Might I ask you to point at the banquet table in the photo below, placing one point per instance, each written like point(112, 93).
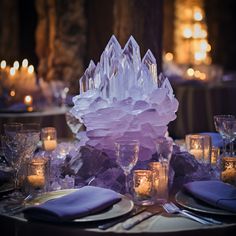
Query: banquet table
point(52, 116)
point(160, 224)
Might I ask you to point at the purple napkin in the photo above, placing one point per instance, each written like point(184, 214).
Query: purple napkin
point(84, 201)
point(215, 193)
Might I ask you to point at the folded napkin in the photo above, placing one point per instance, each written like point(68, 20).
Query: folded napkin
point(84, 201)
point(215, 193)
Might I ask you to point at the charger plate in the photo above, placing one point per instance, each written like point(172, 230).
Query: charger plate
point(124, 206)
point(191, 203)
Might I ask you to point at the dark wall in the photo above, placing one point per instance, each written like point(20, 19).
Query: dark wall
point(221, 18)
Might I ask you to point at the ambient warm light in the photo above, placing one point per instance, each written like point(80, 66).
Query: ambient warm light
point(197, 16)
point(28, 100)
point(190, 71)
point(198, 56)
point(12, 93)
point(31, 69)
point(187, 33)
point(12, 71)
point(25, 63)
point(169, 56)
point(16, 65)
point(3, 64)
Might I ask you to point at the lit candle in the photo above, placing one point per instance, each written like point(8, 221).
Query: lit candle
point(228, 173)
point(31, 69)
point(143, 186)
point(16, 65)
point(28, 100)
point(36, 181)
point(49, 144)
point(49, 138)
point(25, 63)
point(3, 64)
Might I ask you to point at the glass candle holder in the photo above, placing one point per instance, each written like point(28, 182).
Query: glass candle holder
point(199, 145)
point(143, 191)
point(228, 171)
point(37, 175)
point(49, 138)
point(160, 181)
point(215, 153)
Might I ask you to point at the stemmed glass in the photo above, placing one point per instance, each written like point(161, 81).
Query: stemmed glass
point(218, 121)
point(126, 157)
point(229, 131)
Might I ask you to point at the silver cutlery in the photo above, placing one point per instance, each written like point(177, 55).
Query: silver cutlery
point(134, 212)
point(173, 209)
point(130, 223)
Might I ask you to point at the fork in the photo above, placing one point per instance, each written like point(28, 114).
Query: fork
point(173, 209)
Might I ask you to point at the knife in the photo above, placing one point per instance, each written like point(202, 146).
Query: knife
point(136, 210)
point(130, 223)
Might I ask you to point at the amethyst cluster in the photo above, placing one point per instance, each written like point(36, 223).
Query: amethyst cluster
point(122, 97)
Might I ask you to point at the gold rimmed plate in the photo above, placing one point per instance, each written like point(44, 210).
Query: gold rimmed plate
point(191, 203)
point(124, 206)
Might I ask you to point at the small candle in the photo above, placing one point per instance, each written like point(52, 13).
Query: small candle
point(36, 181)
point(49, 138)
point(228, 173)
point(143, 187)
point(3, 64)
point(28, 100)
point(49, 145)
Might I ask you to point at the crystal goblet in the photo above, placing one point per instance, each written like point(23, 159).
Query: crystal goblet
point(218, 121)
point(229, 131)
point(126, 157)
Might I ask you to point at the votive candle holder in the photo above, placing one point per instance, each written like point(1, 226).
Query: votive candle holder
point(49, 138)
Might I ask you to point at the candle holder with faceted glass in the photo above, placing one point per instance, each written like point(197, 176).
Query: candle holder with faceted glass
point(37, 176)
point(126, 157)
point(199, 145)
point(143, 187)
point(218, 121)
point(228, 170)
point(49, 138)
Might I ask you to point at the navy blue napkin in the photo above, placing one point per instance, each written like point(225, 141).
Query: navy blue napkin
point(213, 192)
point(84, 201)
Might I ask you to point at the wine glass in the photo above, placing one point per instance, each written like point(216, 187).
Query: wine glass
point(126, 157)
point(229, 131)
point(218, 121)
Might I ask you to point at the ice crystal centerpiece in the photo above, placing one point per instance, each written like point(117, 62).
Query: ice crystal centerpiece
point(122, 97)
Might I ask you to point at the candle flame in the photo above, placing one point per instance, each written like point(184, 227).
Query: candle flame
point(3, 64)
point(25, 63)
point(12, 93)
point(16, 65)
point(31, 69)
point(28, 100)
point(12, 71)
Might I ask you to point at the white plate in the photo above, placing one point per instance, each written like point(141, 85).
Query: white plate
point(124, 206)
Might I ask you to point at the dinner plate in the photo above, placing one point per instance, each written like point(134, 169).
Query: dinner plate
point(191, 203)
point(124, 206)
